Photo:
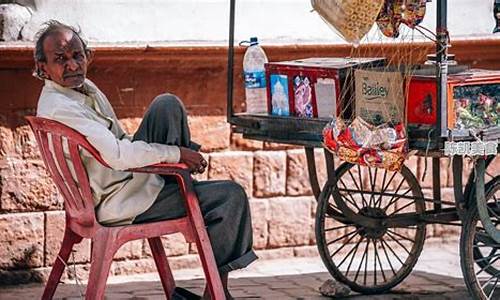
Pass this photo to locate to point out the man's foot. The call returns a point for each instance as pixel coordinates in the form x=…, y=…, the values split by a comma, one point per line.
x=183, y=294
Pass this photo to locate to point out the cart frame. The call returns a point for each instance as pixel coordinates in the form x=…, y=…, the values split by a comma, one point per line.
x=307, y=133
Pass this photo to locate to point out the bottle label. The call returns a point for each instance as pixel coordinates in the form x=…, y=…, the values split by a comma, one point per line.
x=255, y=80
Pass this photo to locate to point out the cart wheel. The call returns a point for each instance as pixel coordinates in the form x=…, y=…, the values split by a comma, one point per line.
x=370, y=260
x=483, y=259
x=482, y=256
x=479, y=255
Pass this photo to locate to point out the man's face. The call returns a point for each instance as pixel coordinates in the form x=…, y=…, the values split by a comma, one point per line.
x=66, y=59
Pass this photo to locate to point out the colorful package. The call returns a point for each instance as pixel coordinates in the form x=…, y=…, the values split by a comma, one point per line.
x=279, y=95
x=394, y=12
x=384, y=146
x=303, y=97
x=353, y=19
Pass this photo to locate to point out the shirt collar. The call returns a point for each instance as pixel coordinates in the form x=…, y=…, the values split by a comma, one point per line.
x=71, y=93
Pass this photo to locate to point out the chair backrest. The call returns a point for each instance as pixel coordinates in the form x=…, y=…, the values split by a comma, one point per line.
x=54, y=138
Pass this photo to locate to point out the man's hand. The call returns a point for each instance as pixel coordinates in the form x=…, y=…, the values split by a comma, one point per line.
x=194, y=160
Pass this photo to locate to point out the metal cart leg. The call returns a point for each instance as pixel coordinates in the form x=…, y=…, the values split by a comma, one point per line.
x=311, y=169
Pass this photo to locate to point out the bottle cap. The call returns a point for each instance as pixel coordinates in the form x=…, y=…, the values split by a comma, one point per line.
x=253, y=41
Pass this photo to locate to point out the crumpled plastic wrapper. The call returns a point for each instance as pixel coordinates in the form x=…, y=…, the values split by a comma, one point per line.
x=384, y=146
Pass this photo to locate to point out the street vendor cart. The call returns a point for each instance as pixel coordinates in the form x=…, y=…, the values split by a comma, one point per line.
x=370, y=221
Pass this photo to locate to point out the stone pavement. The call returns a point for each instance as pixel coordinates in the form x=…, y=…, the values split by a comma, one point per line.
x=436, y=276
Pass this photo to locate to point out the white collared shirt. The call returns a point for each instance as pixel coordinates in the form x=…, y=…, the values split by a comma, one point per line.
x=119, y=196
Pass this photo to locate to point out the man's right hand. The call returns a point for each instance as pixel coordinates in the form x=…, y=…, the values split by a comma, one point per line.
x=194, y=160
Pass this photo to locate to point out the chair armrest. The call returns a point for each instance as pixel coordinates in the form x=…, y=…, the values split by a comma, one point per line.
x=163, y=169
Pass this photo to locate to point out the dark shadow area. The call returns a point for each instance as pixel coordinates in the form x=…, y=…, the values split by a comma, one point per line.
x=419, y=285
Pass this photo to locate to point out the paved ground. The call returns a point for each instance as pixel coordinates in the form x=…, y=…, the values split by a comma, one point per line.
x=436, y=276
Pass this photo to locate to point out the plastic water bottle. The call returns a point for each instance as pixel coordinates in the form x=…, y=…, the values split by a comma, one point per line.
x=255, y=78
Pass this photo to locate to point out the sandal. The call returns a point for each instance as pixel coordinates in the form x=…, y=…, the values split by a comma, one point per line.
x=183, y=294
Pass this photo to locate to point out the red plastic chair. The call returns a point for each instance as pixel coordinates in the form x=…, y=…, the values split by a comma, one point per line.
x=81, y=220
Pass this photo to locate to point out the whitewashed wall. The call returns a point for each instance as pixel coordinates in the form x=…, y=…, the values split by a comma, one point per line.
x=274, y=21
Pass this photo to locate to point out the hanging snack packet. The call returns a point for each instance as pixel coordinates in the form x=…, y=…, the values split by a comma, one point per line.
x=351, y=18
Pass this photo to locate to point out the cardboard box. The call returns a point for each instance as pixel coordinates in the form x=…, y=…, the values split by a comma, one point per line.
x=380, y=96
x=314, y=87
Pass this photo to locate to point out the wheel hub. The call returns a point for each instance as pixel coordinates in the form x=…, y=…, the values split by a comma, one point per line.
x=376, y=213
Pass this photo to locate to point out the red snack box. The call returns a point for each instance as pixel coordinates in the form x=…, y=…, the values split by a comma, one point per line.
x=314, y=87
x=473, y=100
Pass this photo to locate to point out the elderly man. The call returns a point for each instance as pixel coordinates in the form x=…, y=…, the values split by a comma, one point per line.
x=61, y=59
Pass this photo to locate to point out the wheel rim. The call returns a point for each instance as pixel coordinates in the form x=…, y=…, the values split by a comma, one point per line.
x=480, y=253
x=370, y=260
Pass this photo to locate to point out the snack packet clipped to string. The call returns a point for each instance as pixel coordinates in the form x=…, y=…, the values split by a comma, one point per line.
x=352, y=19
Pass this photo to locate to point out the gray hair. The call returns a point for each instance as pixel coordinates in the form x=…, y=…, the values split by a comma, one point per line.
x=47, y=29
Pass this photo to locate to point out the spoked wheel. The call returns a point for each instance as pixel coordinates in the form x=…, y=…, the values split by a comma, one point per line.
x=479, y=253
x=369, y=260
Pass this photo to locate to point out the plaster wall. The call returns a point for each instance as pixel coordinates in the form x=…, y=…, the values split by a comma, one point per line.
x=184, y=21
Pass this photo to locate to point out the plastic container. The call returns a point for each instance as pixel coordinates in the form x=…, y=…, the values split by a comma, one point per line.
x=255, y=78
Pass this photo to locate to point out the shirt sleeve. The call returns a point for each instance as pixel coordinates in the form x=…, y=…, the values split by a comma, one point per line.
x=119, y=154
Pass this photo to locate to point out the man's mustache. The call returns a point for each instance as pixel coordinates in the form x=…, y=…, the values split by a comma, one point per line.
x=68, y=75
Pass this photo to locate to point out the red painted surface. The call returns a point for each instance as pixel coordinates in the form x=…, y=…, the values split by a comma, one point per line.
x=422, y=91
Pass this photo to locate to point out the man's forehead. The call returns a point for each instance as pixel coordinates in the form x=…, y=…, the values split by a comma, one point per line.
x=62, y=40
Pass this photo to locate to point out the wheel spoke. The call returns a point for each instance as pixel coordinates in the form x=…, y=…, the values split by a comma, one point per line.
x=387, y=257
x=354, y=181
x=362, y=260
x=394, y=200
x=399, y=243
x=344, y=236
x=493, y=288
x=487, y=257
x=372, y=186
x=395, y=193
x=341, y=247
x=374, y=263
x=384, y=188
x=379, y=200
x=494, y=276
x=401, y=236
x=337, y=227
x=379, y=261
x=401, y=208
x=361, y=185
x=366, y=261
x=493, y=212
x=354, y=248
x=353, y=200
x=487, y=265
x=353, y=256
x=394, y=253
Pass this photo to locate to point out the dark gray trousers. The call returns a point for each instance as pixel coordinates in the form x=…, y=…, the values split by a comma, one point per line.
x=224, y=204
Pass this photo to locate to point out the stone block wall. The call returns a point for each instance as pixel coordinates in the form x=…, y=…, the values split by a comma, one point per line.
x=274, y=176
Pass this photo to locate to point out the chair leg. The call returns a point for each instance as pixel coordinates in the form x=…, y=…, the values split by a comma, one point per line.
x=212, y=275
x=69, y=239
x=167, y=279
x=104, y=247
